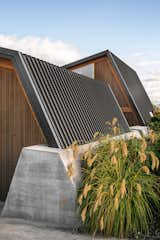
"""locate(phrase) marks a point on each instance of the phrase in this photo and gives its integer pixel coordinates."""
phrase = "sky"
(66, 30)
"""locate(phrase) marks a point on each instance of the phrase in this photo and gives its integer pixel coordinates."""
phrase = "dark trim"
(111, 58)
(7, 53)
(86, 59)
(66, 104)
(18, 63)
(33, 96)
(120, 110)
(143, 117)
(135, 89)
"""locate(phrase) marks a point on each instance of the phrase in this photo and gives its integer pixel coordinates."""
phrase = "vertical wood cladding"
(105, 72)
(18, 127)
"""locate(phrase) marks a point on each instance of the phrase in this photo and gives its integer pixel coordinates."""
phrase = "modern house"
(124, 81)
(41, 103)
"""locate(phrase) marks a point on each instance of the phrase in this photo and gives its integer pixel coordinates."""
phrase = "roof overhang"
(130, 82)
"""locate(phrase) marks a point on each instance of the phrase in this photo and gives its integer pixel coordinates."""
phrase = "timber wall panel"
(105, 72)
(18, 127)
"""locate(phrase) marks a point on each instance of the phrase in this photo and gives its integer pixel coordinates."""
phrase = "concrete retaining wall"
(41, 189)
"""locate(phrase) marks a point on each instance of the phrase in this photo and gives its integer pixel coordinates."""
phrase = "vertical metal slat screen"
(76, 106)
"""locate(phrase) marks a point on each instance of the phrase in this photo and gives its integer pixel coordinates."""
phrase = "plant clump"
(119, 192)
(153, 147)
(155, 120)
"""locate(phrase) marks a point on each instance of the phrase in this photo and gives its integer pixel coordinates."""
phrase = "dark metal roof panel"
(86, 59)
(68, 106)
(131, 82)
(76, 106)
(135, 89)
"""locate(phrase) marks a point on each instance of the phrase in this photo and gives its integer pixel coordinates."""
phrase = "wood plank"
(126, 109)
(87, 63)
(106, 73)
(134, 120)
(18, 125)
(5, 63)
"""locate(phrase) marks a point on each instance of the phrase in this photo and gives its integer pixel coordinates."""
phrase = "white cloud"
(147, 65)
(152, 87)
(57, 52)
(137, 54)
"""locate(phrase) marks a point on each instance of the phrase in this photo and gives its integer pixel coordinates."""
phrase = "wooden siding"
(18, 126)
(104, 71)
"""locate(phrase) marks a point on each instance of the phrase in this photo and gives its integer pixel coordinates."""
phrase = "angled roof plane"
(68, 106)
(41, 103)
(124, 82)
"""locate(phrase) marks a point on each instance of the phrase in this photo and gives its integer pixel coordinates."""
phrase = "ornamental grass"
(155, 120)
(119, 191)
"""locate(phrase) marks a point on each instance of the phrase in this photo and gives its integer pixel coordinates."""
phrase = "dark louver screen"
(75, 106)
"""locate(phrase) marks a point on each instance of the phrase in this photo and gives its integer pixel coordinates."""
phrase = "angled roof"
(130, 81)
(87, 59)
(68, 106)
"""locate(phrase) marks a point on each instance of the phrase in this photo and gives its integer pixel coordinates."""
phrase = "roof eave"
(86, 59)
(18, 63)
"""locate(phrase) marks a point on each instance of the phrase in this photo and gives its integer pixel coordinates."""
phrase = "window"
(87, 70)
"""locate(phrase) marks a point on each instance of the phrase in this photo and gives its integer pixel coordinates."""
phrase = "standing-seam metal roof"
(130, 81)
(68, 106)
(136, 90)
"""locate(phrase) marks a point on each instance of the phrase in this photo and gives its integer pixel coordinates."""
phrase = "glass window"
(87, 70)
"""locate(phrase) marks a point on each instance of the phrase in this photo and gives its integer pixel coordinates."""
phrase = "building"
(41, 103)
(124, 82)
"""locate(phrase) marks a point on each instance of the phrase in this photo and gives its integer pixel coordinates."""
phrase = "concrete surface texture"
(41, 189)
(143, 130)
(14, 229)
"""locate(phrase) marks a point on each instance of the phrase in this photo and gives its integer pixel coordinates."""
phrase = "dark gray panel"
(136, 90)
(67, 105)
(86, 59)
(76, 106)
(131, 82)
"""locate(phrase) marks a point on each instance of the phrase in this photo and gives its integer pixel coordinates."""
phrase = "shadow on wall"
(1, 206)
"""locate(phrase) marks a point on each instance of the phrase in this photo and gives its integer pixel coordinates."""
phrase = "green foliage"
(155, 145)
(154, 141)
(155, 124)
(118, 193)
(155, 120)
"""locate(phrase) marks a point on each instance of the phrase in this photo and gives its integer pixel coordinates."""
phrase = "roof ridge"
(86, 59)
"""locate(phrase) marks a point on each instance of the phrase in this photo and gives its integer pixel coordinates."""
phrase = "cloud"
(152, 87)
(57, 52)
(137, 54)
(147, 65)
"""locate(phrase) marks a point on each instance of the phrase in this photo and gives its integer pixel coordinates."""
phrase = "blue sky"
(131, 29)
(122, 26)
